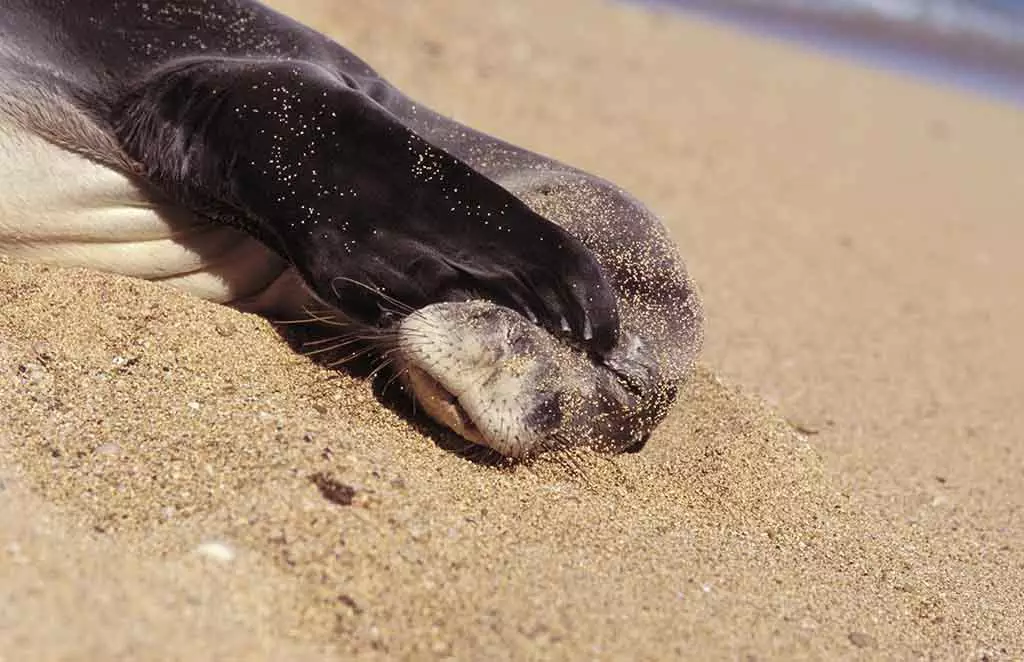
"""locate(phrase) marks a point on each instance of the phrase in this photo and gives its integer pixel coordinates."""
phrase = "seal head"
(499, 380)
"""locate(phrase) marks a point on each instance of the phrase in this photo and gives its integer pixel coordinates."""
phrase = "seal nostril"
(634, 385)
(630, 374)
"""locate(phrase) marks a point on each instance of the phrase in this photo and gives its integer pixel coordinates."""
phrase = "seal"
(225, 149)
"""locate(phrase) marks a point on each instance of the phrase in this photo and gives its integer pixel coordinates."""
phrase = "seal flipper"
(298, 157)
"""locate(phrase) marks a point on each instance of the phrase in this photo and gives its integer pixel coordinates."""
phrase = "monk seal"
(228, 150)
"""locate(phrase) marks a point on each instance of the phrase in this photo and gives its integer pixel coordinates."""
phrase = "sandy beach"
(843, 478)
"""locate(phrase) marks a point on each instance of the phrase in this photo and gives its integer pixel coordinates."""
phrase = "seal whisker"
(397, 375)
(322, 341)
(390, 299)
(344, 337)
(335, 347)
(385, 362)
(351, 357)
(325, 311)
(374, 339)
(380, 341)
(292, 322)
(330, 320)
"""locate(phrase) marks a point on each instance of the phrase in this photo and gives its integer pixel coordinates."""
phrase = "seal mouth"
(441, 404)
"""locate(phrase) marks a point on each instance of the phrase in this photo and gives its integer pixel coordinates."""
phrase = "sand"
(842, 479)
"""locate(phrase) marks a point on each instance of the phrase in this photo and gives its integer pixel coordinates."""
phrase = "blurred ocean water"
(977, 44)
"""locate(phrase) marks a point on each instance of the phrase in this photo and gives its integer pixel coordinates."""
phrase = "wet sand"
(841, 479)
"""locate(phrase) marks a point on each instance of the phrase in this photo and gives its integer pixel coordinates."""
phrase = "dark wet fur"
(274, 129)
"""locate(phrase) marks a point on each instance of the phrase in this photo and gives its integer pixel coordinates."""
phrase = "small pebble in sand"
(15, 554)
(124, 362)
(44, 352)
(862, 640)
(332, 489)
(216, 551)
(226, 329)
(31, 373)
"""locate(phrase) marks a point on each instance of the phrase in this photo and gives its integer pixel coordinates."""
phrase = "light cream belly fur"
(60, 208)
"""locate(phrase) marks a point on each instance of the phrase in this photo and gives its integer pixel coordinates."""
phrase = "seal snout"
(498, 380)
(483, 371)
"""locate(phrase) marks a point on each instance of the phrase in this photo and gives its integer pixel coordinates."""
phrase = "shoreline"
(966, 60)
